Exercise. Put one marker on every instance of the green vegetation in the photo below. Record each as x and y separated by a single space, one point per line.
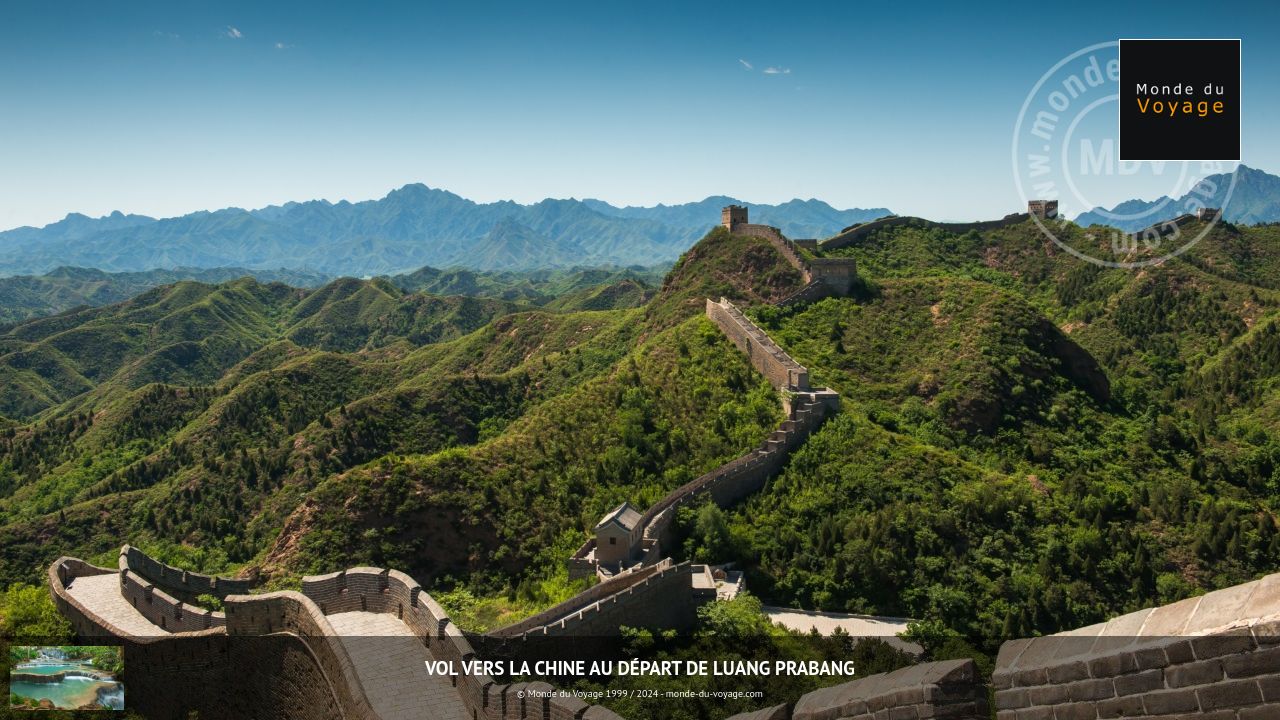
250 426
1028 443
731 632
559 289
744 269
982 477
27 612
24 297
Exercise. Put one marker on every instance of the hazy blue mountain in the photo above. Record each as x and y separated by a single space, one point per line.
411 227
1255 199
72 227
510 245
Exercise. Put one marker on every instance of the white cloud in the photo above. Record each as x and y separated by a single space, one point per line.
746 64
777 71
283 46
234 33
166 35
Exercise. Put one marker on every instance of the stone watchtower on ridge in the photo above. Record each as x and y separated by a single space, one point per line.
1046 209
733 215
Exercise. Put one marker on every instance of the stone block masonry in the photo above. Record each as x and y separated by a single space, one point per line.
582 600
1214 656
824 277
764 354
179 583
665 599
952 689
806 408
290 655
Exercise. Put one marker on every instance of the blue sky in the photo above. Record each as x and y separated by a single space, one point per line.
166 108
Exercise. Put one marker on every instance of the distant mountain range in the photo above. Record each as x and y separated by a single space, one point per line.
1255 199
409 228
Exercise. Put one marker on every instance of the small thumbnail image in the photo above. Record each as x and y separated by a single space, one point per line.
68 677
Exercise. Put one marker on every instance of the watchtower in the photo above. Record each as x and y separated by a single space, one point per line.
1208 214
1044 209
733 215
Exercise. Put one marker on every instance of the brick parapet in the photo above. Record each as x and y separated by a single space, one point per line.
784 246
764 354
84 621
587 597
948 689
162 609
1218 653
177 582
294 613
664 598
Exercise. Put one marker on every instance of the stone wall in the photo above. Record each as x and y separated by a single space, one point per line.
665 599
222 678
732 482
587 597
728 484
205 670
828 276
854 233
1161 229
814 291
163 610
788 249
394 592
951 689
182 584
1216 656
83 621
765 355
838 274
250 617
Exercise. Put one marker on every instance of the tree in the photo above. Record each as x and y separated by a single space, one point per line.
26 611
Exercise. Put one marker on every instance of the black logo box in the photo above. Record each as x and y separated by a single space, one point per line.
1180 64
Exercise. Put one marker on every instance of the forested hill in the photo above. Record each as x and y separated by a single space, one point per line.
980 480
1028 442
218 423
23 297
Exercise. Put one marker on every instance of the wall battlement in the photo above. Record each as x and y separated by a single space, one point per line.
1214 656
828 276
764 354
950 689
1217 655
177 582
806 408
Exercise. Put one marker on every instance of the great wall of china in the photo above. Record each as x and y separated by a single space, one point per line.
353 644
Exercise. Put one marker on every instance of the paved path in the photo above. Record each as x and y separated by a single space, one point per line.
101 594
885 628
389 659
